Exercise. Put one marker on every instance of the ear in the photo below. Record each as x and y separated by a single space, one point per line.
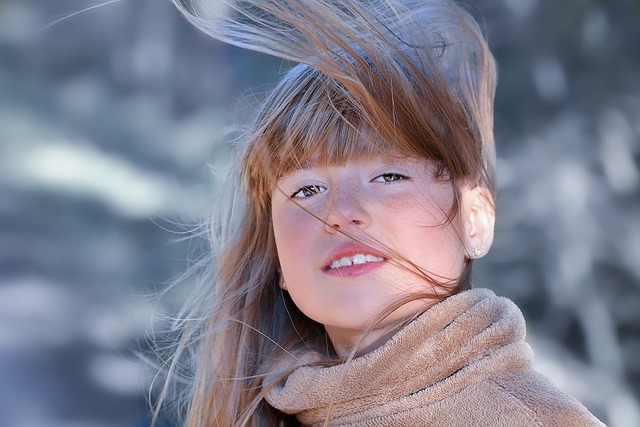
479 216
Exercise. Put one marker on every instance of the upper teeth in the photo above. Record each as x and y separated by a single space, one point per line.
355 260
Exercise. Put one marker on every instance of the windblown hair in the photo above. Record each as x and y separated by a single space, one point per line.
383 77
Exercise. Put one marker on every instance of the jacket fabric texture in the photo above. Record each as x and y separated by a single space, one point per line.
463 362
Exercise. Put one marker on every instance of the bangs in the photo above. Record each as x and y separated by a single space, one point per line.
331 137
317 122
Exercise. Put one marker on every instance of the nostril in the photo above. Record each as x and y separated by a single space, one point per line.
356 221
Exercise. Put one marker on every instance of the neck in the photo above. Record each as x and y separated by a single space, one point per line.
360 342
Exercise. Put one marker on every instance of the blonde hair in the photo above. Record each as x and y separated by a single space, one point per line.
398 78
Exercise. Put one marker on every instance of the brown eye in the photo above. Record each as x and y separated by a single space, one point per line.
308 191
390 177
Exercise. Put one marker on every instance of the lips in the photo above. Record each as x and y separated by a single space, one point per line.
350 255
357 259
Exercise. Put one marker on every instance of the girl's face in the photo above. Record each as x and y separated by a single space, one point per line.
394 206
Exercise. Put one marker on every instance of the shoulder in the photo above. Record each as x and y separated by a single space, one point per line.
547 404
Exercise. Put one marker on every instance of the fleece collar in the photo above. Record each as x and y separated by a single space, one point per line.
462 340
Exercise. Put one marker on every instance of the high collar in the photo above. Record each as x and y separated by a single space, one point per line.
464 339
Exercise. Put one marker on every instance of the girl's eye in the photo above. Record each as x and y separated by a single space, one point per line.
308 191
390 177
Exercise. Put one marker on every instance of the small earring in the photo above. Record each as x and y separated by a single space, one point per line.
476 250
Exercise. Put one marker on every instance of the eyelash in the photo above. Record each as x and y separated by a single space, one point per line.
397 177
387 178
318 189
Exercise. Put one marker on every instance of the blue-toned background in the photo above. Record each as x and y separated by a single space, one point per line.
112 138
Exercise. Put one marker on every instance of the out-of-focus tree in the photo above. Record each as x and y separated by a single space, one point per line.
113 136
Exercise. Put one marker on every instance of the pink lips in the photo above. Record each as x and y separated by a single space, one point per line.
366 260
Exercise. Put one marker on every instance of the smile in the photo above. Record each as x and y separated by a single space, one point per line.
357 259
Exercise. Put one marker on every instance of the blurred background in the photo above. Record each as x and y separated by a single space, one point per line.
112 142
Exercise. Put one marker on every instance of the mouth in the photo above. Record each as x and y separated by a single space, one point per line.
356 259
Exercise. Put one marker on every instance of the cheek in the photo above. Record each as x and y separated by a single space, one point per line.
424 234
292 232
443 249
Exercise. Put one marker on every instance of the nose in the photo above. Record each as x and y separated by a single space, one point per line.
346 208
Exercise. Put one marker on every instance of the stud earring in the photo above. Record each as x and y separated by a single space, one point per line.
476 250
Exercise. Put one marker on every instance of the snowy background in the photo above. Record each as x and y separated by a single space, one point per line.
112 125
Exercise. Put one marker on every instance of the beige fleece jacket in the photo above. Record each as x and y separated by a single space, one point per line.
464 362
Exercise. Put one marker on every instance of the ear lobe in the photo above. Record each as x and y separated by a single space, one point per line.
282 283
479 215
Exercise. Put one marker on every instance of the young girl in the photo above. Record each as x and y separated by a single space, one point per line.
341 291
